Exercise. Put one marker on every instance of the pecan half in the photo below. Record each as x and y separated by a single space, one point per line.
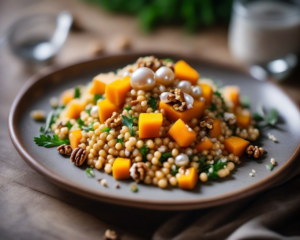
114 121
255 152
78 156
64 149
134 102
207 122
138 171
110 235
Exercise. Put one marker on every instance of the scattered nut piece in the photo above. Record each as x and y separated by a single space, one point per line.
133 188
253 170
78 156
254 151
54 102
110 235
114 121
117 185
37 115
251 174
230 118
104 182
134 102
206 122
272 137
273 161
176 97
64 149
138 171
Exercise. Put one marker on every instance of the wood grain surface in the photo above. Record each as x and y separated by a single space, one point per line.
30 206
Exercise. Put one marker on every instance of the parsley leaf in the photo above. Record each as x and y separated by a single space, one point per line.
89 172
120 140
42 129
191 157
128 108
152 103
88 111
270 119
144 151
212 172
47 142
169 60
270 166
174 170
80 122
164 156
77 93
129 122
88 127
69 125
212 107
97 97
106 130
245 101
202 164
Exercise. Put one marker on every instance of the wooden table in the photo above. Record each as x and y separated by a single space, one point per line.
30 206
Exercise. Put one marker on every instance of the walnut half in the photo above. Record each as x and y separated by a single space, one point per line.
114 121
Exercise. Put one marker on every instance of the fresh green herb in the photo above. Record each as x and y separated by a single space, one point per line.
217 93
191 157
88 111
220 115
152 103
129 122
218 84
202 164
42 129
212 107
144 151
174 170
133 188
265 120
120 140
77 93
88 127
89 172
106 130
169 60
47 142
245 101
270 166
164 156
69 125
212 172
128 108
97 97
80 122
53 115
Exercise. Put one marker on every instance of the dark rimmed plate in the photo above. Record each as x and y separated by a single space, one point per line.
51 82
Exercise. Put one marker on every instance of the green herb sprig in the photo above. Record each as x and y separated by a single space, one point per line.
245 102
47 142
77 93
212 172
129 122
89 172
88 127
80 122
152 102
164 156
144 151
120 140
174 170
270 166
106 130
128 108
97 97
264 120
69 125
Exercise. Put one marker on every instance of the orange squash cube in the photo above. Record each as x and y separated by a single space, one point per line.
149 124
121 168
217 129
75 137
116 91
188 181
236 145
100 81
207 93
181 134
232 94
205 144
187 115
67 96
106 109
73 109
243 118
183 71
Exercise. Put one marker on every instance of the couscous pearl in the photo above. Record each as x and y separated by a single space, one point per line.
230 166
203 177
157 154
173 181
159 174
155 161
162 183
98 164
108 168
147 180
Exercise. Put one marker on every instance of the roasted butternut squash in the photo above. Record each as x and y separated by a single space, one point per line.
75 137
187 115
181 134
183 71
232 94
207 93
100 81
149 124
67 96
73 109
205 144
217 129
236 145
188 181
243 118
106 109
121 168
116 91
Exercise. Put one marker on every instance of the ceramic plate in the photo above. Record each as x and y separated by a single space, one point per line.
51 82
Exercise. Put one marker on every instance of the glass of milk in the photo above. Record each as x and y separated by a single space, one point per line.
265 34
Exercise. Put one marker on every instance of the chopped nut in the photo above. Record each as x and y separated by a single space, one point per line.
176 97
114 121
78 156
273 161
37 115
134 102
110 235
254 151
117 185
64 149
154 63
104 182
138 171
230 118
272 137
207 122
